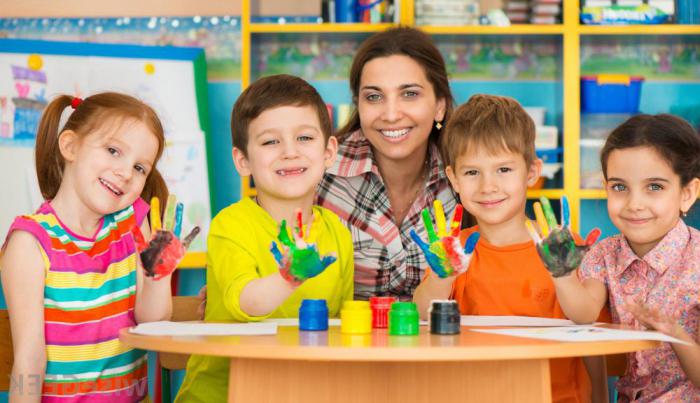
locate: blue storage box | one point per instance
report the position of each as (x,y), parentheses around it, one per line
(549,155)
(610,93)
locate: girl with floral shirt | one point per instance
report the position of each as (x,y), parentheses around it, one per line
(650,273)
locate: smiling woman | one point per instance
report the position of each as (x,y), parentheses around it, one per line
(389,168)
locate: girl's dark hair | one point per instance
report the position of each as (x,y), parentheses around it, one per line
(92,113)
(672,137)
(404,41)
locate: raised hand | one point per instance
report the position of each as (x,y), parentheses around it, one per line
(557,247)
(443,251)
(297,259)
(164,250)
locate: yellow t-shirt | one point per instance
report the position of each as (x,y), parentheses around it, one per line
(239,252)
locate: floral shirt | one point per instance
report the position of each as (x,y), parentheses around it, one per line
(387,261)
(666,279)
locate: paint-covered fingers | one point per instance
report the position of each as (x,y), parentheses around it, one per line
(161,255)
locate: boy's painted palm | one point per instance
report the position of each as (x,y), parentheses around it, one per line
(164,251)
(443,251)
(298,260)
(557,247)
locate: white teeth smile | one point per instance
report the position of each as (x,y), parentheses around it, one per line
(111,187)
(394,133)
(285,172)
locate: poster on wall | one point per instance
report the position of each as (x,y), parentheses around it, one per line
(169,79)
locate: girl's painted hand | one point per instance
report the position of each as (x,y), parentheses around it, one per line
(164,251)
(298,260)
(557,247)
(443,251)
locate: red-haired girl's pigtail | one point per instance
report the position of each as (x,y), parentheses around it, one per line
(49,161)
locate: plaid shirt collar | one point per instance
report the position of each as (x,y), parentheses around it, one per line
(355,158)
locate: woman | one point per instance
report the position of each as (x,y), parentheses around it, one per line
(389,168)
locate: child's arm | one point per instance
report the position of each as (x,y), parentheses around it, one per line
(432,287)
(445,256)
(581,301)
(298,261)
(23,285)
(561,255)
(153,297)
(260,297)
(688,355)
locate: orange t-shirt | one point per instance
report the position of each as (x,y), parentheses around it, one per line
(511,280)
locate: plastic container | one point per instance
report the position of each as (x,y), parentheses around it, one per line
(444,317)
(356,318)
(403,319)
(546,137)
(549,155)
(595,129)
(610,93)
(380,311)
(313,314)
(537,114)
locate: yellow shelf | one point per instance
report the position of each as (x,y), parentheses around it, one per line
(259,28)
(592,194)
(519,29)
(669,29)
(548,193)
(193,260)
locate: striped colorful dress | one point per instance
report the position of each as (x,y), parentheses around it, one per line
(89,296)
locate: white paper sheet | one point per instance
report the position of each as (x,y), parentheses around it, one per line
(166,328)
(506,321)
(582,333)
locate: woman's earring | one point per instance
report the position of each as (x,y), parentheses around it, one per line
(684,214)
(438,125)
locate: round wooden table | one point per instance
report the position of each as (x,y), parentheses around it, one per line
(294,366)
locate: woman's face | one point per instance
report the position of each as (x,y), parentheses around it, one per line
(397,108)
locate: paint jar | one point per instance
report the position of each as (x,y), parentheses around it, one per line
(444,317)
(403,319)
(313,314)
(356,318)
(380,311)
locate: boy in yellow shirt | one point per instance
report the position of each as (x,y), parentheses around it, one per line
(489,152)
(282,138)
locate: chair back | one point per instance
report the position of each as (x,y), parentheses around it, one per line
(6,354)
(616,364)
(184,309)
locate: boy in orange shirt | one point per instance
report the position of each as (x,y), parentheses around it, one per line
(489,152)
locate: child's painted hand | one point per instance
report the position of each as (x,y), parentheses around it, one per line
(298,260)
(164,251)
(443,252)
(558,250)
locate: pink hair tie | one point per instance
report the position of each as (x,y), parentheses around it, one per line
(76,102)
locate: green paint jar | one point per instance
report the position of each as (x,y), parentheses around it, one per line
(403,319)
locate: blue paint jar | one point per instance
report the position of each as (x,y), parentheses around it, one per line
(313,314)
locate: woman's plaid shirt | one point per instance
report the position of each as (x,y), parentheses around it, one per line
(387,261)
